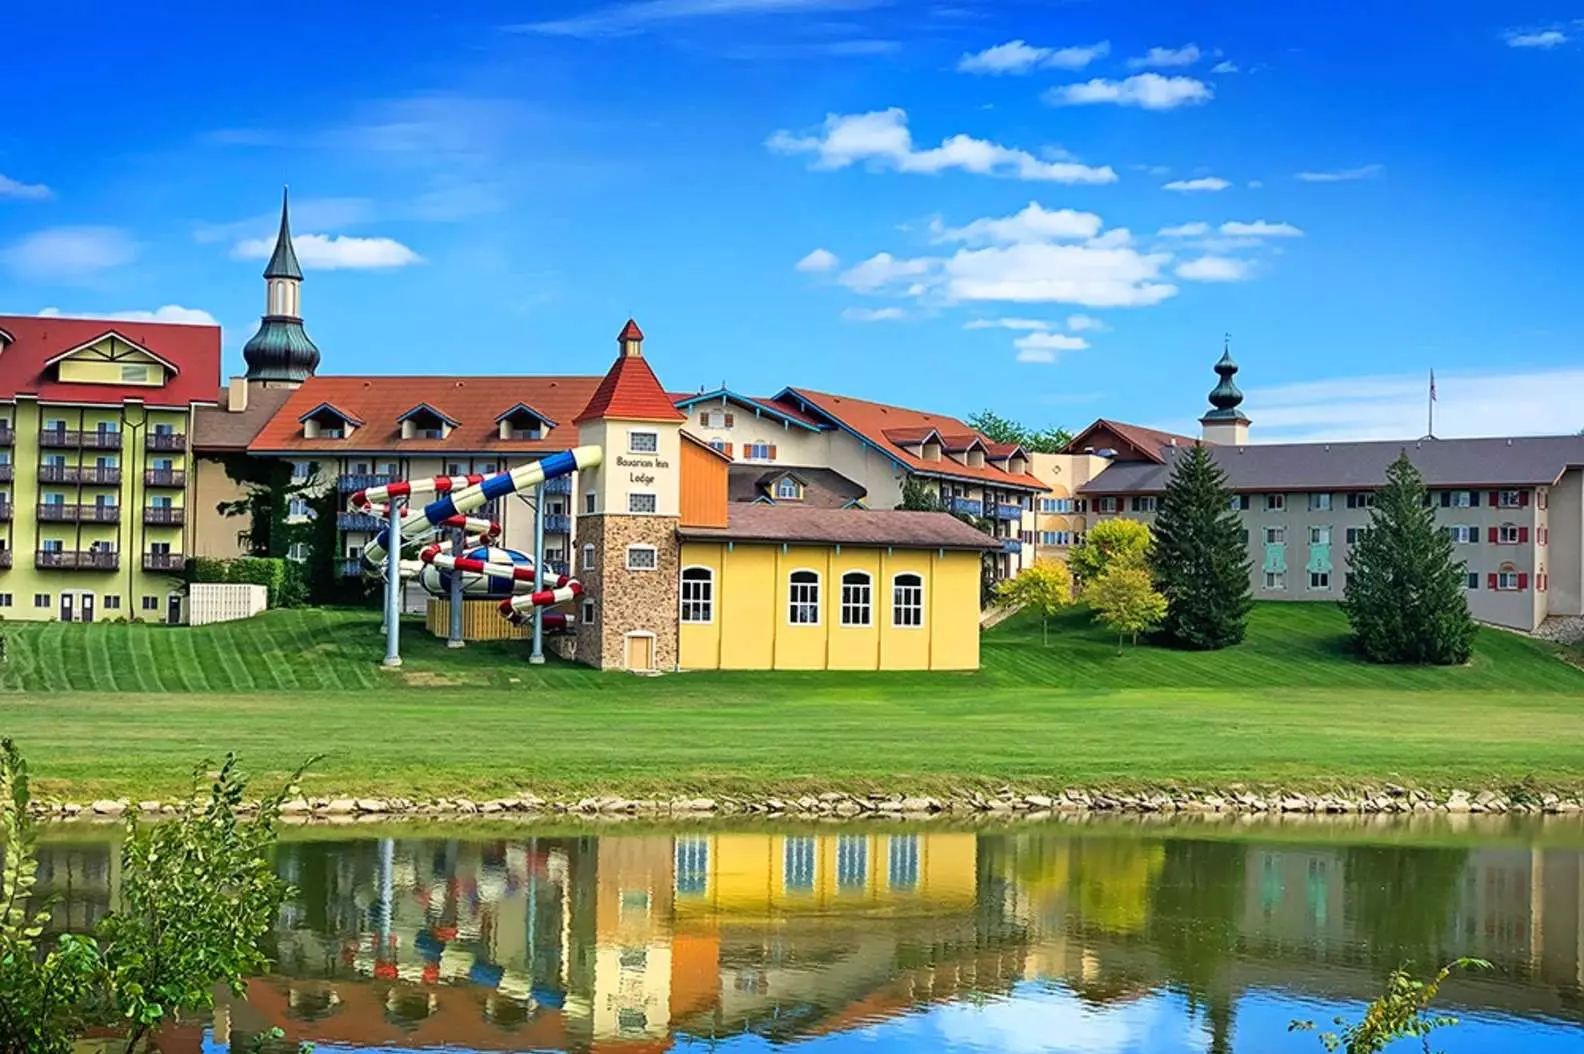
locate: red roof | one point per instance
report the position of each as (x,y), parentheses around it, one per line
(193,351)
(475,403)
(630,390)
(881,424)
(1149,442)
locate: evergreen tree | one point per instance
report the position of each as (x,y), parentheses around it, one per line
(1405,596)
(1199,558)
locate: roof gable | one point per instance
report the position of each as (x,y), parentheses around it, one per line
(1148,444)
(34,344)
(755,405)
(702,445)
(523,407)
(428,408)
(351,419)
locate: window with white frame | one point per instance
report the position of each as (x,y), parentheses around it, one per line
(1319,580)
(715,419)
(587,563)
(300,471)
(1110,504)
(1364,499)
(1509,499)
(1275,580)
(1507,578)
(788,489)
(698,594)
(643,442)
(642,558)
(757,451)
(1238,503)
(1463,534)
(1507,534)
(1354,535)
(298,552)
(1144,503)
(907,601)
(1275,535)
(640,502)
(587,614)
(589,501)
(298,508)
(1319,536)
(1320,502)
(856,598)
(803,598)
(1461,499)
(1275,502)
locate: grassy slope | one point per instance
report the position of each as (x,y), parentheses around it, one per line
(114,709)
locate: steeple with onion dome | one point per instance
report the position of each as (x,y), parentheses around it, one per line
(1225,423)
(281,352)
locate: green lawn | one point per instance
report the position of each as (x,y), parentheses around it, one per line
(121,709)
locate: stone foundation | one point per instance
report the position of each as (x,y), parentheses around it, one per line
(628,602)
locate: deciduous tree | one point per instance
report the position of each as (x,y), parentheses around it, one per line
(1199,557)
(1110,543)
(1001,429)
(1044,588)
(1124,598)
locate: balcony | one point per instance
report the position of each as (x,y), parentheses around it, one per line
(359,521)
(558,523)
(164,515)
(56,512)
(558,567)
(164,562)
(165,477)
(5,559)
(1011,545)
(559,485)
(351,568)
(71,439)
(77,560)
(965,506)
(101,440)
(1009,512)
(363,481)
(5,511)
(90,475)
(165,441)
(5,471)
(7,435)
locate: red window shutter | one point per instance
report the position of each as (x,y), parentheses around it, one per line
(1523,582)
(704,419)
(728,450)
(1495,498)
(1494,536)
(730,420)
(1523,535)
(772,452)
(1523,499)
(1491,584)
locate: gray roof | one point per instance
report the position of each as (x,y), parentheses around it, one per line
(1519,461)
(823,488)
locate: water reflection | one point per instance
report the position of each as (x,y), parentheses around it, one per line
(1059,938)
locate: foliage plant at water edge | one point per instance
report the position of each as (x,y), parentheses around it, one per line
(199,892)
(1401,1012)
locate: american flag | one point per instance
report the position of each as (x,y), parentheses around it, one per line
(1432,386)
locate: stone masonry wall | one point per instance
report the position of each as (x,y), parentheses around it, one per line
(627,601)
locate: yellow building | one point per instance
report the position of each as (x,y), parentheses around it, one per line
(94,485)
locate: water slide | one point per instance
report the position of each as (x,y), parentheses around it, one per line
(488,571)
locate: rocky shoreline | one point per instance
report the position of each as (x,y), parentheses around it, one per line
(1387,799)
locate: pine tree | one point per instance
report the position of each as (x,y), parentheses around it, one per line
(1200,559)
(1405,595)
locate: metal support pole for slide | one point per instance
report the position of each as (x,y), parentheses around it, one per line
(393,586)
(458,542)
(537,655)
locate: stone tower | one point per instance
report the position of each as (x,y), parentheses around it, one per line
(1225,424)
(280,353)
(628,509)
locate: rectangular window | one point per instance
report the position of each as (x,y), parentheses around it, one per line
(298,552)
(907,602)
(1507,534)
(587,563)
(41,600)
(1361,500)
(715,419)
(856,594)
(588,503)
(297,507)
(692,865)
(1320,503)
(1461,499)
(112,602)
(587,614)
(1473,580)
(1275,535)
(803,599)
(1243,536)
(642,558)
(1275,580)
(797,870)
(643,442)
(757,452)
(151,603)
(1319,580)
(904,861)
(698,594)
(354,552)
(1507,580)
(641,503)
(852,861)
(5,600)
(1143,504)
(1354,535)
(1319,536)
(1462,534)
(1109,504)
(1510,499)
(1275,502)
(134,374)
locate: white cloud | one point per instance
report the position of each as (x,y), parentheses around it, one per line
(1393,406)
(638,15)
(1260,229)
(11,188)
(1215,269)
(190,316)
(882,270)
(1185,230)
(1018,56)
(1149,91)
(1008,323)
(1032,223)
(1255,184)
(1043,347)
(1066,274)
(306,213)
(876,314)
(326,252)
(1202,183)
(817,261)
(1546,38)
(1342,175)
(1224,67)
(1079,323)
(882,140)
(69,253)
(1186,55)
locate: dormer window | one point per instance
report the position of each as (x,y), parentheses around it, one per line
(425,422)
(327,422)
(976,458)
(1017,465)
(931,451)
(523,422)
(112,359)
(788,488)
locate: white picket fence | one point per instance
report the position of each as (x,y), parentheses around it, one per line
(209,602)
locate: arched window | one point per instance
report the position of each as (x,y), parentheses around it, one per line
(787,489)
(698,594)
(856,603)
(803,598)
(907,601)
(1507,577)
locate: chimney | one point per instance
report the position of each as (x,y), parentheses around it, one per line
(236,395)
(631,340)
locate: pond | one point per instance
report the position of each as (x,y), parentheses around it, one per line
(1089,939)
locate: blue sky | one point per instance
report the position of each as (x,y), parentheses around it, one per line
(1055,209)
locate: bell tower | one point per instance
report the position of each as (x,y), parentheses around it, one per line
(1225,424)
(280,352)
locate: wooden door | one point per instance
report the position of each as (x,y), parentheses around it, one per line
(640,653)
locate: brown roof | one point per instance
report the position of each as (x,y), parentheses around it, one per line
(878,423)
(630,390)
(214,428)
(866,527)
(1151,442)
(823,488)
(474,402)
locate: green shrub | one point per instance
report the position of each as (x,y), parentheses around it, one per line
(282,578)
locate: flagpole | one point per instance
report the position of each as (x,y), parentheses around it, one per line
(1430,407)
